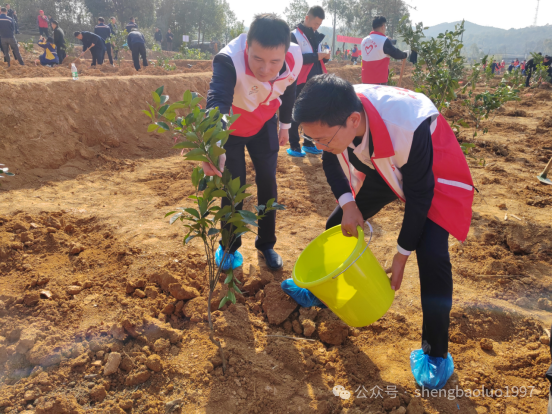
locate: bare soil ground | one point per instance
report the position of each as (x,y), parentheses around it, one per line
(103,310)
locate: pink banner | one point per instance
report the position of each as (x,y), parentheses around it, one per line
(349,39)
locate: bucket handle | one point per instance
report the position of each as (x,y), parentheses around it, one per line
(358,257)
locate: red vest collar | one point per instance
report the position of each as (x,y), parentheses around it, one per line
(378,33)
(383,147)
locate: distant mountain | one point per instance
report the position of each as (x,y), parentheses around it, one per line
(509,43)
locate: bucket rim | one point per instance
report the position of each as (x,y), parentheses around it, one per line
(357,249)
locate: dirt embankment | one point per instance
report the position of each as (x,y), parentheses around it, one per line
(58,126)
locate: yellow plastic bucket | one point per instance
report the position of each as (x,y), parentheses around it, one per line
(344,274)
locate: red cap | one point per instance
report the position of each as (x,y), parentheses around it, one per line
(41,11)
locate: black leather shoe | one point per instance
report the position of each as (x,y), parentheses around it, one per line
(272,259)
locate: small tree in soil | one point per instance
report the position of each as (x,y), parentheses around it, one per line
(119,40)
(440,62)
(540,73)
(201,135)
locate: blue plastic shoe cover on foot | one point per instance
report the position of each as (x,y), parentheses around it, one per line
(232,260)
(431,372)
(312,150)
(295,153)
(301,295)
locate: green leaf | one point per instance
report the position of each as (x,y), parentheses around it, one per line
(234,185)
(218,193)
(156,97)
(185,144)
(213,231)
(147,113)
(192,136)
(231,296)
(152,127)
(174,218)
(215,151)
(164,98)
(222,212)
(159,91)
(249,217)
(196,158)
(241,230)
(240,197)
(189,239)
(208,134)
(187,97)
(202,186)
(195,101)
(223,302)
(163,109)
(229,276)
(192,211)
(163,125)
(169,213)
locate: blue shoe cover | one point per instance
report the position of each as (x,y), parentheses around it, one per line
(295,153)
(431,372)
(301,295)
(312,150)
(232,259)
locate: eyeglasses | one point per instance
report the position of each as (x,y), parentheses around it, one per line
(329,142)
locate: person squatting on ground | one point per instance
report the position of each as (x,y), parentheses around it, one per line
(377,50)
(307,37)
(255,76)
(7,36)
(137,45)
(169,36)
(59,41)
(104,31)
(50,55)
(381,143)
(94,43)
(42,20)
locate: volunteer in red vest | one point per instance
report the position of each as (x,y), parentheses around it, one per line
(309,40)
(376,51)
(355,54)
(380,144)
(255,76)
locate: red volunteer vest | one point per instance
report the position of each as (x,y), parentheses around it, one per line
(375,63)
(403,112)
(306,47)
(257,101)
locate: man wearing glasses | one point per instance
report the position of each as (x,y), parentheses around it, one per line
(381,144)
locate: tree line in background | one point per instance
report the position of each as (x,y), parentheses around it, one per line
(205,20)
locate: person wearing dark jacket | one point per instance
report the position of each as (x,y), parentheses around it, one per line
(377,50)
(59,41)
(169,36)
(7,34)
(314,58)
(94,43)
(379,147)
(137,45)
(255,76)
(104,31)
(131,25)
(158,36)
(13,15)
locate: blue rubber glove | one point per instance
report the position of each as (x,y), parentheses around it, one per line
(301,295)
(431,372)
(232,260)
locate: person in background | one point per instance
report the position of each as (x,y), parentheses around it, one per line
(158,37)
(494,67)
(308,38)
(529,68)
(355,53)
(131,25)
(338,54)
(59,41)
(94,43)
(137,45)
(7,34)
(114,30)
(13,15)
(377,51)
(169,36)
(43,21)
(522,66)
(50,56)
(511,67)
(254,76)
(104,31)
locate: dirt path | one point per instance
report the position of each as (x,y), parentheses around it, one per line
(96,240)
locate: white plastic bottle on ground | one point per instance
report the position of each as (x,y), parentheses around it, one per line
(74,72)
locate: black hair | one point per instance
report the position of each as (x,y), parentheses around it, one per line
(112,17)
(76,34)
(50,39)
(328,99)
(3,9)
(378,22)
(270,31)
(54,22)
(101,19)
(317,11)
(133,18)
